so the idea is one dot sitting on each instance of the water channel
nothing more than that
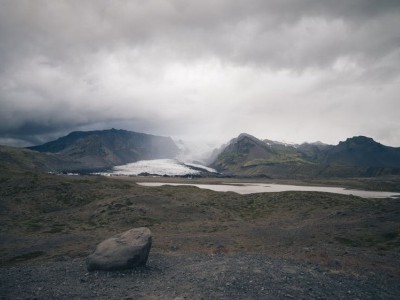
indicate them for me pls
(251, 188)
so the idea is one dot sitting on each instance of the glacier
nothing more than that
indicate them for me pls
(160, 167)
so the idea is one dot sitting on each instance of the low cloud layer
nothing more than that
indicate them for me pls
(296, 70)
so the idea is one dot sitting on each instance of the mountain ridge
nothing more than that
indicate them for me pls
(108, 148)
(356, 156)
(244, 155)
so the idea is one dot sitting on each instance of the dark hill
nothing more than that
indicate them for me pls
(362, 151)
(361, 156)
(357, 156)
(249, 156)
(107, 148)
(16, 160)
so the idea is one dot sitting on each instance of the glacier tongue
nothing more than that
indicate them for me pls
(161, 167)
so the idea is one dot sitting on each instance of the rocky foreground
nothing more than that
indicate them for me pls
(194, 276)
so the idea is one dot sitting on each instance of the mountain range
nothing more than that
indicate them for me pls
(356, 156)
(245, 155)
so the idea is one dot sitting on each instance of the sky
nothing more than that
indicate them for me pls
(201, 71)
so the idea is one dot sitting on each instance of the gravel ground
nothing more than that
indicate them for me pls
(194, 276)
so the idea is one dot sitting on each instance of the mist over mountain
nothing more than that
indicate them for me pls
(195, 152)
(357, 156)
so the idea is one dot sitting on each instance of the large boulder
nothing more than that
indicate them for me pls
(123, 251)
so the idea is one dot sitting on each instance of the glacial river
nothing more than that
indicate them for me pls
(251, 188)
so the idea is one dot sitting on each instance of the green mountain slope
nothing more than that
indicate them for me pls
(249, 156)
(357, 156)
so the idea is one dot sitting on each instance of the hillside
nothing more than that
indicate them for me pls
(249, 156)
(357, 156)
(106, 148)
(19, 160)
(243, 156)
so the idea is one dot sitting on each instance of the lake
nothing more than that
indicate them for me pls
(252, 188)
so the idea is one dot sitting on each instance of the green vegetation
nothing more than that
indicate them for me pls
(69, 215)
(276, 160)
(388, 240)
(26, 256)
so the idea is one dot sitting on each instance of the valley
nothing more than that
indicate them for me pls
(243, 156)
(55, 221)
(50, 221)
(67, 215)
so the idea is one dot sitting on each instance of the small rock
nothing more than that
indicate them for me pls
(334, 263)
(123, 251)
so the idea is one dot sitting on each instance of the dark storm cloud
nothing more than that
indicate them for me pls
(157, 66)
(254, 31)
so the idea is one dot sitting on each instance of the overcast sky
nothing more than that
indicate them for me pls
(294, 70)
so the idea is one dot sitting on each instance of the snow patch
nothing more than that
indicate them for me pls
(211, 170)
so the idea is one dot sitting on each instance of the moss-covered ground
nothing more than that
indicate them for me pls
(45, 217)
